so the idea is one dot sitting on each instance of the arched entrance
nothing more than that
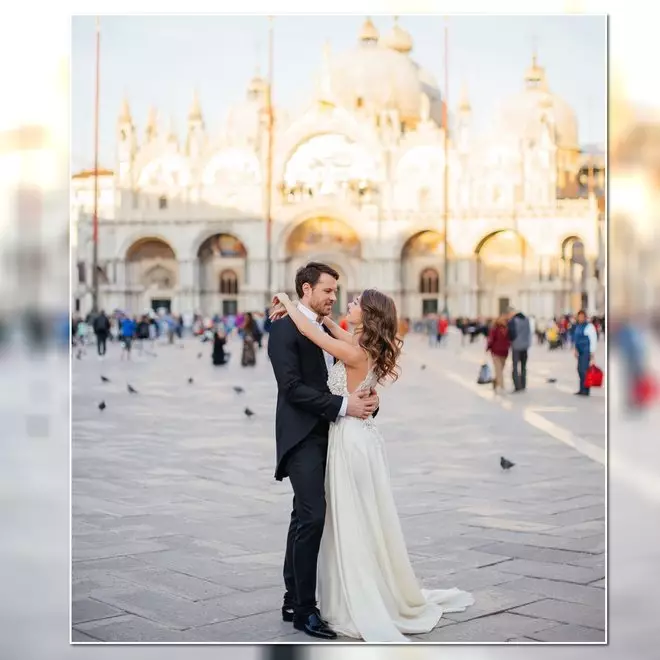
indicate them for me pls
(331, 241)
(501, 272)
(422, 273)
(221, 272)
(152, 273)
(574, 274)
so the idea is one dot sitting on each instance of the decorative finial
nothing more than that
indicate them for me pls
(369, 32)
(195, 113)
(464, 105)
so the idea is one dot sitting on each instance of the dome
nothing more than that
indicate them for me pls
(377, 78)
(398, 39)
(520, 115)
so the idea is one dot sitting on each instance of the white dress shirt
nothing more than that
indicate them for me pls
(592, 335)
(329, 359)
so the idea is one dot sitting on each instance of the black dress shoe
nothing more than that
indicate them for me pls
(287, 613)
(314, 626)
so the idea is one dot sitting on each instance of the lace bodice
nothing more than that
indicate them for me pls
(338, 381)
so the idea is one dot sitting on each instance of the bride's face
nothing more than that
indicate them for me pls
(354, 316)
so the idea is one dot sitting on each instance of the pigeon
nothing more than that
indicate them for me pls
(104, 379)
(238, 389)
(505, 464)
(423, 367)
(199, 355)
(551, 380)
(248, 412)
(102, 405)
(132, 390)
(190, 380)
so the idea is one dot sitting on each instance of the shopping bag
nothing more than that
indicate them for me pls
(485, 375)
(594, 377)
(645, 390)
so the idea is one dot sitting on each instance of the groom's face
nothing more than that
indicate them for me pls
(322, 296)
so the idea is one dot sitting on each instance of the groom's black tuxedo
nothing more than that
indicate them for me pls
(305, 408)
(304, 402)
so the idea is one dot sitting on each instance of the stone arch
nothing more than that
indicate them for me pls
(328, 239)
(501, 257)
(572, 248)
(573, 270)
(316, 123)
(152, 272)
(330, 164)
(138, 237)
(422, 262)
(221, 261)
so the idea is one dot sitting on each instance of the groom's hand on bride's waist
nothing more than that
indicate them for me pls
(362, 404)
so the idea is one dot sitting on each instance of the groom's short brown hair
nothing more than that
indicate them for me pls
(311, 274)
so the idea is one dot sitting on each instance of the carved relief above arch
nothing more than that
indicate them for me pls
(323, 234)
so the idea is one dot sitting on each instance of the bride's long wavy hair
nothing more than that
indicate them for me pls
(379, 334)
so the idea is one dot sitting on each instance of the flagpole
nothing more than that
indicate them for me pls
(445, 123)
(95, 253)
(269, 169)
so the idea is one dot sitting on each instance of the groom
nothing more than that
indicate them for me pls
(305, 408)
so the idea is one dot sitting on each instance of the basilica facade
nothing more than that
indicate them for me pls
(357, 179)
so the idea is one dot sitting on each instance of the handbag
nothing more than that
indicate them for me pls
(485, 375)
(594, 377)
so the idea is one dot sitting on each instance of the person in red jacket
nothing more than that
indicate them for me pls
(498, 346)
(443, 324)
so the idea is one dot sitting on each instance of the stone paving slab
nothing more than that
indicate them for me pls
(179, 527)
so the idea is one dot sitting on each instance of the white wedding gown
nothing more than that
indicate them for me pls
(366, 586)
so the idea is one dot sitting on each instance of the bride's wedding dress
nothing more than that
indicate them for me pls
(366, 586)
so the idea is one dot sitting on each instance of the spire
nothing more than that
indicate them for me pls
(535, 75)
(195, 113)
(125, 112)
(464, 104)
(369, 33)
(152, 123)
(325, 95)
(170, 132)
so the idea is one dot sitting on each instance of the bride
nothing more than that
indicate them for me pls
(366, 585)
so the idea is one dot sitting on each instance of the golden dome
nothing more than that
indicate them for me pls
(398, 39)
(369, 32)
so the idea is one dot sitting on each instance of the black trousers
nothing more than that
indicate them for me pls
(519, 369)
(101, 340)
(306, 468)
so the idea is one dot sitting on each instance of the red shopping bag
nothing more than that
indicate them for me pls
(645, 390)
(594, 377)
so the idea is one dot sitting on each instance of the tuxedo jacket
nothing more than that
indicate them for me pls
(304, 402)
